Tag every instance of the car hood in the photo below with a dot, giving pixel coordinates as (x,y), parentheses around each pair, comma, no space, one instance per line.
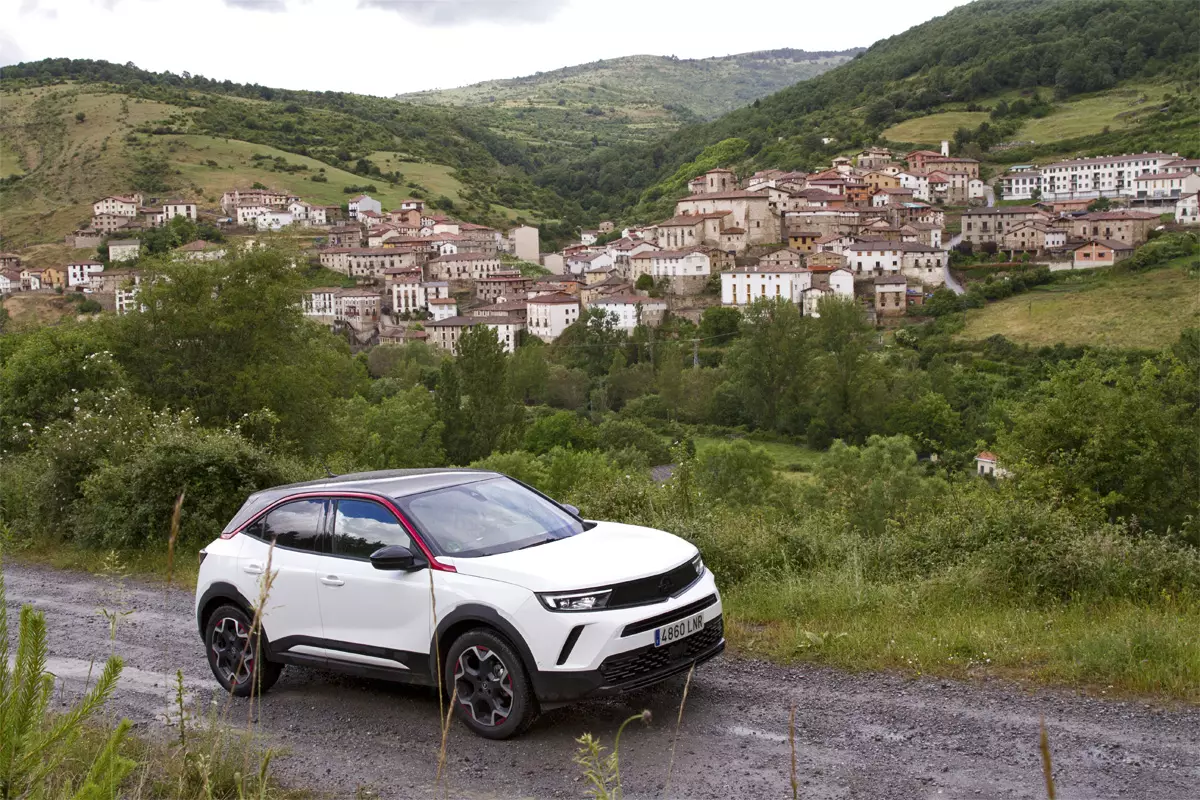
(607,553)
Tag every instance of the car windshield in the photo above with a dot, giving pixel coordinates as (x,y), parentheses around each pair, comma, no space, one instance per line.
(487,517)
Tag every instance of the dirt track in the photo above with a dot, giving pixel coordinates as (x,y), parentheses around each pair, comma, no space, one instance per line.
(868,736)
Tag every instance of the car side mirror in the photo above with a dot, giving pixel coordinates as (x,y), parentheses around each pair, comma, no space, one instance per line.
(397,557)
(571,508)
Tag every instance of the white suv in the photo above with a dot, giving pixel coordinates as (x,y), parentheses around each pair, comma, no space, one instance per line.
(515,600)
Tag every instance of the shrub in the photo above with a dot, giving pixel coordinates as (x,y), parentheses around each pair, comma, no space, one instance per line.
(560,429)
(129,503)
(525,467)
(617,434)
(735,473)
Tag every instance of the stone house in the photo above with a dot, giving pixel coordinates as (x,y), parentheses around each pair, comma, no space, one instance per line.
(891,295)
(751,211)
(488,290)
(463,266)
(787,257)
(1128,227)
(982,225)
(345,236)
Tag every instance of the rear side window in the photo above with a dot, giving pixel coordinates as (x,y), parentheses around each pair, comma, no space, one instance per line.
(360,527)
(295,525)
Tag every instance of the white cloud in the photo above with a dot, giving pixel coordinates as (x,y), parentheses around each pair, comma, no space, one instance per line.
(10,52)
(387,47)
(447,13)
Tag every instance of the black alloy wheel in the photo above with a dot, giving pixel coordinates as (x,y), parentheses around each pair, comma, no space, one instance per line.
(490,686)
(234,653)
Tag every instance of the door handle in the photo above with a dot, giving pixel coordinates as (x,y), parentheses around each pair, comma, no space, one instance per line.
(253,569)
(332,580)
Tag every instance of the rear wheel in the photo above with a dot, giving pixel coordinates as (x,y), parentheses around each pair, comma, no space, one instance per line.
(235,656)
(490,686)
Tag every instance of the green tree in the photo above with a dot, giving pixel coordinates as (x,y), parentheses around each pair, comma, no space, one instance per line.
(1116,438)
(455,436)
(400,432)
(491,413)
(720,323)
(227,338)
(589,342)
(770,364)
(560,429)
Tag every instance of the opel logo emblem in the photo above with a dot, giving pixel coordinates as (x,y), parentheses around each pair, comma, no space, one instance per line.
(665,585)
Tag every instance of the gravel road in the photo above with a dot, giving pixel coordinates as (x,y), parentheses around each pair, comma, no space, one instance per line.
(866,736)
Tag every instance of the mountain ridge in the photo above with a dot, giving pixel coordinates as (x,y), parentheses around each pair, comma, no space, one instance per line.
(730,81)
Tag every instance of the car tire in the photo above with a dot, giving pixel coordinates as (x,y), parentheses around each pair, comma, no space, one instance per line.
(489,684)
(235,657)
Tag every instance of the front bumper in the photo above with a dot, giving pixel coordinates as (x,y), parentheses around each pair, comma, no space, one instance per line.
(632,669)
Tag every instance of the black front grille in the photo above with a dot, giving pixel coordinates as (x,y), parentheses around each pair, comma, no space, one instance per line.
(641,626)
(645,661)
(654,589)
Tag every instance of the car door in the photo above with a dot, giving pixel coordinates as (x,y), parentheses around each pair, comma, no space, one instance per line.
(292,612)
(375,618)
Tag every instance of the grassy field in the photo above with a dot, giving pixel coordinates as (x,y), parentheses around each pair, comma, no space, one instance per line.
(35,309)
(839,619)
(1114,109)
(1103,308)
(792,462)
(934,128)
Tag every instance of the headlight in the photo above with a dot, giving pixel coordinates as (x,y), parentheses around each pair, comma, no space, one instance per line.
(575,601)
(698,563)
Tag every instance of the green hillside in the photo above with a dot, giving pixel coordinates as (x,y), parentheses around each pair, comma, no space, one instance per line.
(1105,308)
(168,135)
(703,88)
(968,60)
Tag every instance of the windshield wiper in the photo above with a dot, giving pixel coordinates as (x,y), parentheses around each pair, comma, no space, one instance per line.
(547,540)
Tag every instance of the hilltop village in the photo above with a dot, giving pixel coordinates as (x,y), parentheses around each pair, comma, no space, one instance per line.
(877,227)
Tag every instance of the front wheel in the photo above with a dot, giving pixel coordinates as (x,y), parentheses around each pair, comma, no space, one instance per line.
(234,655)
(491,689)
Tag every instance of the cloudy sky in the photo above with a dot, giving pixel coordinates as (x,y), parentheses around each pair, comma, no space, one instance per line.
(385,47)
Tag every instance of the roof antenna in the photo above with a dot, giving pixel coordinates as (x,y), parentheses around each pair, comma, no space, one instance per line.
(328,472)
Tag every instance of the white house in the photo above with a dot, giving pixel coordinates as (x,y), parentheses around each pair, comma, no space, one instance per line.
(1166,186)
(118,206)
(80,272)
(1020,182)
(124,249)
(523,243)
(1187,210)
(680,263)
(583,262)
(827,282)
(589,237)
(550,314)
(10,280)
(125,293)
(249,213)
(744,285)
(630,310)
(321,303)
(441,308)
(362,202)
(1107,176)
(918,183)
(273,220)
(986,465)
(179,208)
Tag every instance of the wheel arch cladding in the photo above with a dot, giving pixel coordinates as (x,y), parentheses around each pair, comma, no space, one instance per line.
(217,595)
(470,616)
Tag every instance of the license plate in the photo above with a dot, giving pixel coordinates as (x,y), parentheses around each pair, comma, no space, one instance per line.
(678,630)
